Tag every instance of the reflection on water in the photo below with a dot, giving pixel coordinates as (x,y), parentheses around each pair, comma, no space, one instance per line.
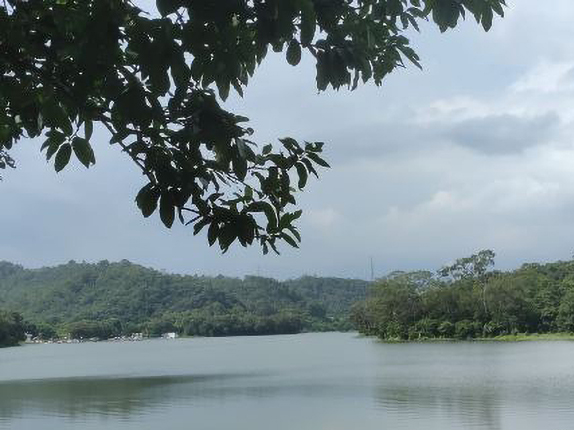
(81,397)
(476,407)
(490,386)
(309,382)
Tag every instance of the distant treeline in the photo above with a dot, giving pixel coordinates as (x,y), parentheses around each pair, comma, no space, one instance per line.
(469,300)
(105,300)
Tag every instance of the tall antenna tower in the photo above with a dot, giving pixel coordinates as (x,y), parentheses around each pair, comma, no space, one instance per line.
(372,270)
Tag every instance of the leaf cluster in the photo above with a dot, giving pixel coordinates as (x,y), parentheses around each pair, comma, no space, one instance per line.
(156,82)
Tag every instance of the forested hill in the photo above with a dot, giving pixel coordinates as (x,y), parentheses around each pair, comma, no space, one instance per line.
(469,300)
(107,299)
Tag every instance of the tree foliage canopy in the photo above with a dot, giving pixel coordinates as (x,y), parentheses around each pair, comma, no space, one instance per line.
(156,83)
(11,328)
(470,302)
(473,267)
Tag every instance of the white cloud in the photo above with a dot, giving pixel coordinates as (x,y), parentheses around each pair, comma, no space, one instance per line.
(547,78)
(324,219)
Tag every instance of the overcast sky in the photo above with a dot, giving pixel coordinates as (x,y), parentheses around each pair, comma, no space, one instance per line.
(476,151)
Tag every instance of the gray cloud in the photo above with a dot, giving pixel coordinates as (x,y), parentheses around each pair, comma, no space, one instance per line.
(502,134)
(568,78)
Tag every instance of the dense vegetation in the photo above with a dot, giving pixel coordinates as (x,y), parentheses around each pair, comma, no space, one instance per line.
(467,300)
(11,329)
(110,299)
(464,300)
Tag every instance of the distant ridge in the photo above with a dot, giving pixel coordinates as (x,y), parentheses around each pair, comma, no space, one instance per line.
(108,298)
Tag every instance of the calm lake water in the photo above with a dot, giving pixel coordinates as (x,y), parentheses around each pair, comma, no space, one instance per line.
(304,382)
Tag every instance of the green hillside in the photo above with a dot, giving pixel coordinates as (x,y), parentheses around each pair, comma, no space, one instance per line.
(109,299)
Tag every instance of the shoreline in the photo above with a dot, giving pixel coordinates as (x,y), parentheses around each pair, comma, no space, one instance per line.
(519,337)
(530,337)
(130,339)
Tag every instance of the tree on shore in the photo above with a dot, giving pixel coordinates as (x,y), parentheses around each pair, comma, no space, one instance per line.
(155,82)
(473,269)
(11,329)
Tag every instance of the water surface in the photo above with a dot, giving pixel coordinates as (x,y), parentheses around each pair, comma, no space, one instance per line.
(305,382)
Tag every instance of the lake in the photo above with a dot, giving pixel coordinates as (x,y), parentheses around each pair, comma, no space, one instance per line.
(330,381)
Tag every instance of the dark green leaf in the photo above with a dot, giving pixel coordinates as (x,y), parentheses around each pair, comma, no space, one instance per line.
(248,193)
(200,225)
(239,167)
(267,149)
(497,7)
(317,159)
(167,208)
(289,240)
(246,229)
(487,17)
(53,143)
(83,151)
(294,53)
(226,236)
(88,129)
(295,232)
(147,200)
(303,175)
(120,136)
(223,87)
(63,157)
(308,22)
(272,245)
(213,233)
(310,167)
